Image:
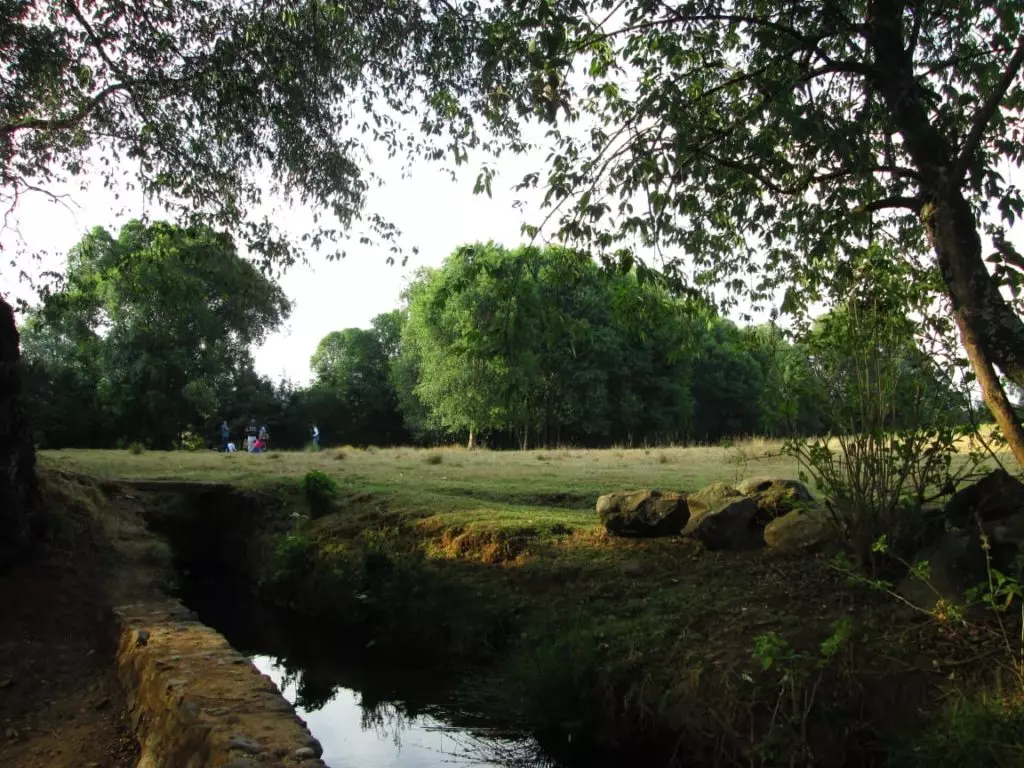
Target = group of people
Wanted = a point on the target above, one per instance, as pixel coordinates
(255, 439)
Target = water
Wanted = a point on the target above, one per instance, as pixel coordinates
(383, 735)
(366, 714)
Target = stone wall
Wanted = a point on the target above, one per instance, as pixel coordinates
(20, 523)
(195, 702)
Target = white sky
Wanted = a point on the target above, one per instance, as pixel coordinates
(434, 213)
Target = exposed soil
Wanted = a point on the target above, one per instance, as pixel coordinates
(61, 703)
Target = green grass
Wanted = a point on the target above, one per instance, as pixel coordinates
(500, 555)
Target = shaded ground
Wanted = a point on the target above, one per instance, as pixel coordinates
(61, 703)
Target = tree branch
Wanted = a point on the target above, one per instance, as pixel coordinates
(63, 123)
(986, 111)
(910, 203)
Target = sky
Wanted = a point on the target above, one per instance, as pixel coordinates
(434, 212)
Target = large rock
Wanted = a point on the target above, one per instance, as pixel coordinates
(700, 502)
(754, 485)
(955, 564)
(799, 530)
(729, 523)
(643, 513)
(994, 497)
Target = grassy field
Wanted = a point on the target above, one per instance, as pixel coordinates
(456, 487)
(501, 554)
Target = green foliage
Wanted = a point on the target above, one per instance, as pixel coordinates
(156, 325)
(190, 441)
(320, 490)
(970, 732)
(215, 102)
(352, 395)
(136, 448)
(434, 459)
(896, 422)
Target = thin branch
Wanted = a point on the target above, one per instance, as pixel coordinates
(910, 203)
(63, 123)
(986, 111)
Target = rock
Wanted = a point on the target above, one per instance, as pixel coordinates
(699, 502)
(643, 513)
(142, 638)
(244, 744)
(1006, 538)
(729, 524)
(994, 497)
(798, 530)
(315, 745)
(304, 752)
(955, 564)
(775, 497)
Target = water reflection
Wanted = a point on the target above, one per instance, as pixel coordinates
(365, 713)
(385, 735)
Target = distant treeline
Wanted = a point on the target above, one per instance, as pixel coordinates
(148, 340)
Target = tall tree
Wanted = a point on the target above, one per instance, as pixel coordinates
(771, 141)
(352, 390)
(166, 317)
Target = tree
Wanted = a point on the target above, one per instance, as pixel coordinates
(773, 141)
(161, 319)
(352, 392)
(540, 345)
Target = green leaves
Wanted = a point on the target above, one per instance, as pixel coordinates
(157, 324)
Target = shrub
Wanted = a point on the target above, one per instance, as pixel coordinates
(320, 490)
(434, 458)
(895, 419)
(190, 441)
(136, 448)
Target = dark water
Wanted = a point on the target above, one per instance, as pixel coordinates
(365, 713)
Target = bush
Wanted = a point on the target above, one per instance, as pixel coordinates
(434, 458)
(896, 421)
(136, 448)
(190, 441)
(320, 490)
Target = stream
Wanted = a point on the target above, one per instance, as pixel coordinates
(365, 713)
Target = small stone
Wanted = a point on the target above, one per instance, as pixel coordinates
(244, 744)
(313, 744)
(11, 733)
(142, 638)
(304, 752)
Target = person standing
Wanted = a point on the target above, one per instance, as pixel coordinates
(225, 435)
(316, 438)
(250, 434)
(264, 436)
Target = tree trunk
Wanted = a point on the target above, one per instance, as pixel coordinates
(19, 521)
(990, 329)
(471, 442)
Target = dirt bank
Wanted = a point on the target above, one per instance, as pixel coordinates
(61, 703)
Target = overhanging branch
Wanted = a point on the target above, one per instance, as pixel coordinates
(63, 123)
(986, 111)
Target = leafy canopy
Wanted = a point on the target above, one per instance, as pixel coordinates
(215, 103)
(763, 143)
(161, 319)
